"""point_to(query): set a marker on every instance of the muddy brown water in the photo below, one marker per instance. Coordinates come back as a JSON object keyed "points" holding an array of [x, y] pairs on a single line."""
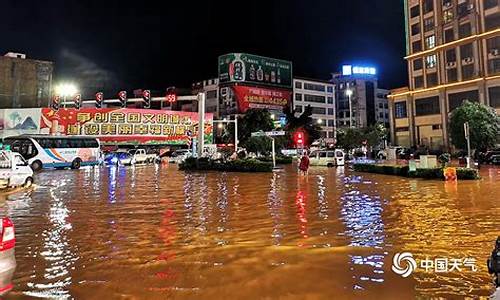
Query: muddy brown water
{"points": [[154, 232]]}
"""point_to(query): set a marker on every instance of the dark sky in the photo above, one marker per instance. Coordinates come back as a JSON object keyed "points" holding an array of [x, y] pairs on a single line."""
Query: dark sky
{"points": [[156, 44]]}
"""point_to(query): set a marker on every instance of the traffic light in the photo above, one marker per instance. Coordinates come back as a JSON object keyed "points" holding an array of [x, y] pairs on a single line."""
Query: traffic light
{"points": [[299, 139], [171, 95], [78, 101], [146, 96], [122, 96], [56, 100], [98, 99]]}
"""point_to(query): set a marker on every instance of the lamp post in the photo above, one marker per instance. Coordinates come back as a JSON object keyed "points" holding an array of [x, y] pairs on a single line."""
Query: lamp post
{"points": [[349, 93]]}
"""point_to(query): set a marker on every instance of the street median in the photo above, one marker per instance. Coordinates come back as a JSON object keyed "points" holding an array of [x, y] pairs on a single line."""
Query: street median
{"points": [[239, 165], [404, 171]]}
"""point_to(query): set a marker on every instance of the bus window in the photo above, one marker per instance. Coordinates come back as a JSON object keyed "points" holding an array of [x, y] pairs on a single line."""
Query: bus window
{"points": [[91, 143]]}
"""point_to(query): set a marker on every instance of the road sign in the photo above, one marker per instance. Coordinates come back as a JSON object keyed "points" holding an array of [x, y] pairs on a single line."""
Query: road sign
{"points": [[268, 133]]}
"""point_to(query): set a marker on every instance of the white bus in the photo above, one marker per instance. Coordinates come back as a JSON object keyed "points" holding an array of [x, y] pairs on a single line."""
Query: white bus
{"points": [[44, 151]]}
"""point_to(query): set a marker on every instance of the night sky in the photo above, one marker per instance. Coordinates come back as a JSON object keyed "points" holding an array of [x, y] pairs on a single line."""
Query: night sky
{"points": [[156, 44]]}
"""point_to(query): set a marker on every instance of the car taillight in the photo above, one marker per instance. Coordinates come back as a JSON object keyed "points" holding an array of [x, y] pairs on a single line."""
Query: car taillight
{"points": [[8, 238]]}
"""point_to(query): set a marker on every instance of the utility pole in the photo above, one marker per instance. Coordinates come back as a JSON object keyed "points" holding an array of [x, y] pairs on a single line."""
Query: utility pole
{"points": [[201, 123], [467, 137]]}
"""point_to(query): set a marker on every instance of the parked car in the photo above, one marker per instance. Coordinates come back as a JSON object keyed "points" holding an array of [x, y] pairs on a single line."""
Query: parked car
{"points": [[327, 158], [7, 255], [495, 159], [14, 170], [490, 156], [180, 155]]}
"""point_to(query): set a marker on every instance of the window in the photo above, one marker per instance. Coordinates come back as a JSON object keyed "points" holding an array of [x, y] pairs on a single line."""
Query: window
{"points": [[490, 4], [427, 106], [318, 110], [400, 110], [432, 79], [402, 129], [492, 21], [330, 100], [419, 82], [448, 15], [451, 55], [314, 87], [331, 123], [468, 72], [380, 105], [322, 154], [430, 61], [329, 89], [417, 64], [466, 51], [464, 30], [415, 29], [494, 93], [429, 24], [447, 3], [465, 8], [430, 42], [211, 94], [428, 6], [449, 35], [298, 97], [314, 98], [415, 11], [298, 85], [416, 46], [436, 127], [298, 108], [452, 75], [494, 66], [455, 100], [381, 115], [493, 45], [330, 111]]}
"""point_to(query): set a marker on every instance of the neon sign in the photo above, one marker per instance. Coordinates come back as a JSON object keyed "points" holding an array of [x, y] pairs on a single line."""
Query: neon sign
{"points": [[348, 70]]}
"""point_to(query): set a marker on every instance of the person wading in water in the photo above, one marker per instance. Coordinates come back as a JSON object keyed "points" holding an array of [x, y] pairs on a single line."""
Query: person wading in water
{"points": [[304, 164]]}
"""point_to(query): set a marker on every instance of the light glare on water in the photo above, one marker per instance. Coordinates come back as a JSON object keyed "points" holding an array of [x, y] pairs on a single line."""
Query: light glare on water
{"points": [[155, 232]]}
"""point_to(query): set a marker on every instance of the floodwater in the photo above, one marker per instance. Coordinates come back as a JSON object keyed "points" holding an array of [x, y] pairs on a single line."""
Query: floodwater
{"points": [[153, 232]]}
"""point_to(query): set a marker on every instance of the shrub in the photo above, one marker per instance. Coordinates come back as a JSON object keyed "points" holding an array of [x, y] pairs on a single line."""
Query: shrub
{"points": [[382, 169], [467, 174], [280, 160], [434, 173], [240, 165]]}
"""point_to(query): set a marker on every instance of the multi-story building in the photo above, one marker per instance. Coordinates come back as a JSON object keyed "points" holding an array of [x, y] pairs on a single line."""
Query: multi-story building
{"points": [[320, 95], [453, 54], [357, 93], [211, 88], [24, 82]]}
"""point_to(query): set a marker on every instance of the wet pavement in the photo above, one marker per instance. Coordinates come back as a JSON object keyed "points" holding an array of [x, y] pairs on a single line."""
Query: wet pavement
{"points": [[153, 232]]}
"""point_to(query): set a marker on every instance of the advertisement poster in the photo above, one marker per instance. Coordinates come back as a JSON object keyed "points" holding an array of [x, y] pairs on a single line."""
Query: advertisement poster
{"points": [[241, 67], [111, 125], [252, 97], [20, 121]]}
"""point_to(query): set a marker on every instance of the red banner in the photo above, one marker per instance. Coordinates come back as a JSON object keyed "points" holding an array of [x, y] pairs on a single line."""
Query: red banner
{"points": [[116, 126], [252, 97]]}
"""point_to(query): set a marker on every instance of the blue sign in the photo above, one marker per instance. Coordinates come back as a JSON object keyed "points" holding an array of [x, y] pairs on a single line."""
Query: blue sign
{"points": [[348, 70]]}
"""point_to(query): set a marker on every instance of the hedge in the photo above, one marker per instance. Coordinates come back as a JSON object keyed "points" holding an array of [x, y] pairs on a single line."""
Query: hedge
{"points": [[434, 173], [240, 165], [280, 160]]}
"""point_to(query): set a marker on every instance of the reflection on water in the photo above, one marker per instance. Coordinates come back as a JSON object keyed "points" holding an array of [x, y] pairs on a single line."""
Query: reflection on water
{"points": [[154, 232]]}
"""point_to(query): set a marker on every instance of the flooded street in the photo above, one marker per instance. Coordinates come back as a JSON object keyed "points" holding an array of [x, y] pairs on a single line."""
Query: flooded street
{"points": [[154, 232]]}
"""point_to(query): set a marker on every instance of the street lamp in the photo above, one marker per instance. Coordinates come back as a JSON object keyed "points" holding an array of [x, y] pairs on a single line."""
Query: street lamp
{"points": [[320, 121], [66, 90], [273, 117], [349, 93]]}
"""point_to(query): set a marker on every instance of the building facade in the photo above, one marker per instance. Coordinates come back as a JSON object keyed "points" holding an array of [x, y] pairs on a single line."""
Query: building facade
{"points": [[453, 54], [212, 101], [357, 92], [24, 83], [320, 95]]}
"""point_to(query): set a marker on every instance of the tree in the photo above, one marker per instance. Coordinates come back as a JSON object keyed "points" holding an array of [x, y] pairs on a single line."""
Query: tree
{"points": [[484, 126], [304, 122], [351, 138], [261, 144], [254, 120]]}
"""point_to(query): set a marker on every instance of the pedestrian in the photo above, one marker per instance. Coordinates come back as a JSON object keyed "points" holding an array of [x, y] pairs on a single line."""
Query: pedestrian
{"points": [[304, 164]]}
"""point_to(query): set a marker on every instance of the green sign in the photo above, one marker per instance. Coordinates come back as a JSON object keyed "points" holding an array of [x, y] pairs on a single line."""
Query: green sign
{"points": [[241, 67]]}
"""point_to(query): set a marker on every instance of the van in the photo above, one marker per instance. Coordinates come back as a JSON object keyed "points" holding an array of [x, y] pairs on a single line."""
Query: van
{"points": [[14, 170], [327, 158]]}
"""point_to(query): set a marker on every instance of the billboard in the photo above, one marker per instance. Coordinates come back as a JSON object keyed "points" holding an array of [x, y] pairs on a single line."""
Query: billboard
{"points": [[119, 125], [241, 67], [253, 97]]}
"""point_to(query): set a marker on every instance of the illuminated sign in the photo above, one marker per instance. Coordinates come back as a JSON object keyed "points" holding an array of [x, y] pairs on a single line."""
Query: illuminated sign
{"points": [[348, 70]]}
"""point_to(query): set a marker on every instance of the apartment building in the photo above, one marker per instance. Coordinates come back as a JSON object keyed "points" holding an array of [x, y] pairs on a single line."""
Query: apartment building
{"points": [[320, 95], [453, 54]]}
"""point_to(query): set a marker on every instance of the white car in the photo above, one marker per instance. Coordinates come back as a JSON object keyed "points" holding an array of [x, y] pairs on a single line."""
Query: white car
{"points": [[180, 155], [327, 158], [14, 170]]}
